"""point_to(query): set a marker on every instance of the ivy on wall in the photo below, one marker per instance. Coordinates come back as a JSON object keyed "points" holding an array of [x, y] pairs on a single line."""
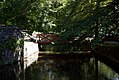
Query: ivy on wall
{"points": [[11, 44]]}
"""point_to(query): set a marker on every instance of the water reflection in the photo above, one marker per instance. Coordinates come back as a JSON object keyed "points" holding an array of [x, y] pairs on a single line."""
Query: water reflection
{"points": [[69, 70], [30, 59], [59, 69], [11, 72]]}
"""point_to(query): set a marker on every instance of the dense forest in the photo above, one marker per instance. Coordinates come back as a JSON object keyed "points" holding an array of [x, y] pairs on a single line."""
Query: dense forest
{"points": [[76, 21]]}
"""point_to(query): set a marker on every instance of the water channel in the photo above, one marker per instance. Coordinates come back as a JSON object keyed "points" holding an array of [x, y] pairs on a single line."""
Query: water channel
{"points": [[59, 69]]}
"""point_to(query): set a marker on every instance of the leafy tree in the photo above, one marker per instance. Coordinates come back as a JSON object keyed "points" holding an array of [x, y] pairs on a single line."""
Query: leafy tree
{"points": [[30, 14], [93, 17], [70, 18]]}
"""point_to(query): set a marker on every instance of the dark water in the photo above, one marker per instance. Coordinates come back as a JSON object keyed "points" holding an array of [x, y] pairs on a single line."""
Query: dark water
{"points": [[59, 69]]}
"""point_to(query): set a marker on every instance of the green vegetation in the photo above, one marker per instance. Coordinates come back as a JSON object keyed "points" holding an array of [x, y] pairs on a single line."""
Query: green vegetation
{"points": [[12, 45], [8, 44], [68, 18]]}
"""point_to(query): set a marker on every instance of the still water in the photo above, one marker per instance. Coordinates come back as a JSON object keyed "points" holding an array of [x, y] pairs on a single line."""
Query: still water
{"points": [[59, 69]]}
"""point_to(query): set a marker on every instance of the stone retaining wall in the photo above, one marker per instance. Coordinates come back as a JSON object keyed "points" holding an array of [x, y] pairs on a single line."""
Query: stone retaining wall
{"points": [[11, 45]]}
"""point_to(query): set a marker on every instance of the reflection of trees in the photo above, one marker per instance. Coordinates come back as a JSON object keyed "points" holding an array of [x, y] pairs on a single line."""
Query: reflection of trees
{"points": [[58, 69], [61, 69], [11, 72], [106, 72], [71, 69]]}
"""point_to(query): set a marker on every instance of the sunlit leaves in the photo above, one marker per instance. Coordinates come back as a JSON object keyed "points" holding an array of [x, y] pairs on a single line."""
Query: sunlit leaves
{"points": [[92, 17], [69, 18]]}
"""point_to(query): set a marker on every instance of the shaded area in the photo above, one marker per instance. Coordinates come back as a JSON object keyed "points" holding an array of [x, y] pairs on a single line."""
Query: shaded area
{"points": [[108, 53], [72, 69], [11, 44], [82, 55], [59, 69], [11, 72]]}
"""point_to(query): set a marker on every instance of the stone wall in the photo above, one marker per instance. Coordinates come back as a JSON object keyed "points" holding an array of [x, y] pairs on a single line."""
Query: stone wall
{"points": [[11, 45]]}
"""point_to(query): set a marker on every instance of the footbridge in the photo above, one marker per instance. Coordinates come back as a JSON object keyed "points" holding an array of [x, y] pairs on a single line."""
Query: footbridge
{"points": [[49, 38]]}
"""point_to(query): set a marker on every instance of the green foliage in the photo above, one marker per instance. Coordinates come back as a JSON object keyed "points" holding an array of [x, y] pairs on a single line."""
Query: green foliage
{"points": [[69, 18], [7, 44], [11, 44], [30, 14], [86, 18]]}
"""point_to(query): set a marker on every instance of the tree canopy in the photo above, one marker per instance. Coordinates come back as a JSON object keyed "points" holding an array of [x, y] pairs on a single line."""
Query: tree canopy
{"points": [[69, 18]]}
